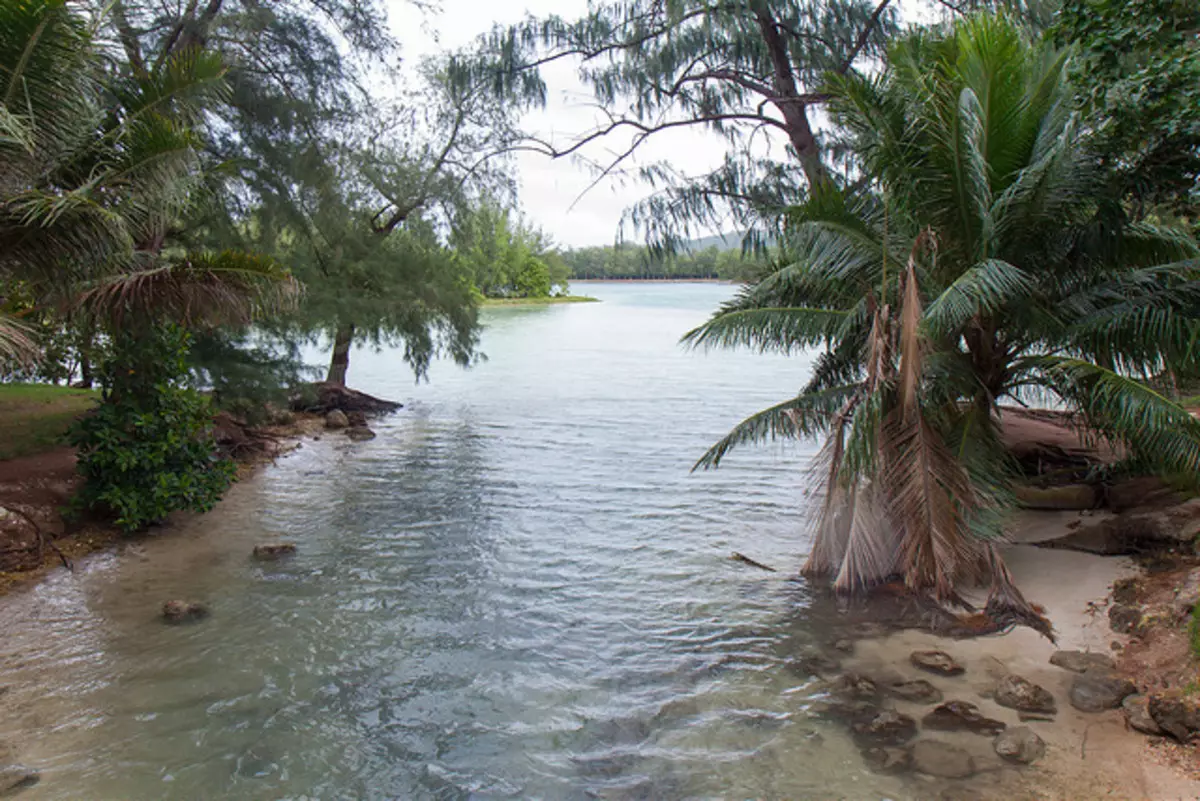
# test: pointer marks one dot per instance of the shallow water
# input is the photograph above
(517, 590)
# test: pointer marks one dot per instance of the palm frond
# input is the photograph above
(16, 341)
(983, 289)
(783, 330)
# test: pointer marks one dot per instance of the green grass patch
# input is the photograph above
(539, 301)
(35, 417)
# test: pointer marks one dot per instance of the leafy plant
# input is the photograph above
(148, 450)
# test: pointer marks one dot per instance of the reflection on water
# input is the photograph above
(516, 591)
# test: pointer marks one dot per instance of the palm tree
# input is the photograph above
(99, 167)
(977, 260)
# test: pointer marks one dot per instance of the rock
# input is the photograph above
(1139, 491)
(813, 662)
(855, 686)
(1082, 661)
(270, 551)
(1137, 714)
(889, 727)
(846, 711)
(336, 419)
(1020, 744)
(1068, 496)
(1023, 695)
(1176, 714)
(962, 716)
(945, 761)
(14, 778)
(183, 611)
(1124, 618)
(1187, 594)
(845, 646)
(357, 419)
(1125, 591)
(322, 398)
(1096, 691)
(888, 759)
(360, 434)
(918, 691)
(938, 662)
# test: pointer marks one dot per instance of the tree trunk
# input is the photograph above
(339, 362)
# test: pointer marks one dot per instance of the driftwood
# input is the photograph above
(737, 557)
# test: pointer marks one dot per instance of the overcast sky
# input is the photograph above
(551, 189)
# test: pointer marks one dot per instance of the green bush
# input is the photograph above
(148, 449)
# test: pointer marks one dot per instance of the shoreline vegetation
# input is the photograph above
(539, 301)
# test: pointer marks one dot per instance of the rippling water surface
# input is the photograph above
(516, 591)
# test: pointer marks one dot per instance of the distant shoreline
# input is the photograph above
(652, 281)
(539, 301)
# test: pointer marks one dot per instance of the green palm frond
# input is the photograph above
(984, 288)
(784, 330)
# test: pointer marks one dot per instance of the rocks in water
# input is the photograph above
(1176, 714)
(1016, 692)
(814, 662)
(845, 646)
(962, 716)
(1020, 744)
(357, 419)
(888, 759)
(846, 710)
(270, 551)
(855, 686)
(1096, 691)
(360, 434)
(1124, 618)
(1082, 661)
(1137, 714)
(938, 662)
(935, 758)
(183, 611)
(14, 778)
(918, 691)
(336, 419)
(888, 727)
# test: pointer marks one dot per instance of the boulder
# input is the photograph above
(1124, 618)
(935, 758)
(1139, 491)
(336, 419)
(357, 419)
(888, 759)
(1065, 497)
(1176, 714)
(1020, 744)
(1023, 695)
(962, 716)
(1187, 594)
(360, 434)
(919, 691)
(1082, 661)
(888, 727)
(855, 686)
(270, 551)
(183, 611)
(938, 662)
(1137, 714)
(1096, 691)
(14, 778)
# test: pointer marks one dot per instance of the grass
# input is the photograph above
(35, 417)
(539, 301)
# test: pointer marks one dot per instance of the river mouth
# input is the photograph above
(517, 590)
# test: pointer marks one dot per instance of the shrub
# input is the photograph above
(148, 449)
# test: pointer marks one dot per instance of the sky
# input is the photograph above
(552, 191)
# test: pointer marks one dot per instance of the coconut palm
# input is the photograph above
(976, 261)
(99, 167)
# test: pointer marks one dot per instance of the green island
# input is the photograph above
(872, 472)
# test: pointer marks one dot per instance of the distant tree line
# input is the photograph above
(634, 262)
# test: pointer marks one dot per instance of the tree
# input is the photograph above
(740, 70)
(1138, 73)
(505, 258)
(977, 262)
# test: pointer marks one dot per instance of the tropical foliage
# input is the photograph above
(692, 260)
(506, 257)
(978, 261)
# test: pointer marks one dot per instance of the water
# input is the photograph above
(517, 590)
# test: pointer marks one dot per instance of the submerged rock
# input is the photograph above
(1177, 714)
(855, 686)
(888, 727)
(1082, 661)
(270, 551)
(1097, 691)
(14, 778)
(1016, 692)
(360, 434)
(1137, 714)
(888, 759)
(813, 662)
(1020, 744)
(938, 662)
(962, 716)
(1124, 618)
(943, 760)
(336, 419)
(918, 691)
(183, 611)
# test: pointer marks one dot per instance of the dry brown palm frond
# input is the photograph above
(828, 528)
(16, 341)
(1006, 606)
(870, 547)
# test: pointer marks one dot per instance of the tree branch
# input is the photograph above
(864, 36)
